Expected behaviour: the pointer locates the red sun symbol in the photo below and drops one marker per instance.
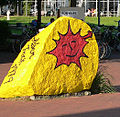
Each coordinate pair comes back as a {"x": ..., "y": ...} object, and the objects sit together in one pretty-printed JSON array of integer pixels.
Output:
[{"x": 69, "y": 48}]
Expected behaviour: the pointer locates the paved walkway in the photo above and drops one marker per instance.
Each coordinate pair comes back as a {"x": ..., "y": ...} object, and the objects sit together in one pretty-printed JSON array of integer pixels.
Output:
[{"x": 101, "y": 105}]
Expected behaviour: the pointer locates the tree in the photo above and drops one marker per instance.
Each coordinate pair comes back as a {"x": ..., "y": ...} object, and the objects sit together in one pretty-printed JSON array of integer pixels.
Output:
[
  {"x": 6, "y": 2},
  {"x": 73, "y": 3},
  {"x": 3, "y": 2},
  {"x": 26, "y": 7}
]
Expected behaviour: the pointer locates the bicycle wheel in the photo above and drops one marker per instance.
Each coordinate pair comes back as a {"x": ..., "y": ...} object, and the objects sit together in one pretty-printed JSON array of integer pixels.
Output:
[
  {"x": 16, "y": 46},
  {"x": 107, "y": 51},
  {"x": 101, "y": 48},
  {"x": 116, "y": 43},
  {"x": 23, "y": 43},
  {"x": 29, "y": 32}
]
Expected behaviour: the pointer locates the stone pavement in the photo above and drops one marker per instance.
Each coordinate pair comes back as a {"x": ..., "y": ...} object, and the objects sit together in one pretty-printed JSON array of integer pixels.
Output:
[{"x": 100, "y": 105}]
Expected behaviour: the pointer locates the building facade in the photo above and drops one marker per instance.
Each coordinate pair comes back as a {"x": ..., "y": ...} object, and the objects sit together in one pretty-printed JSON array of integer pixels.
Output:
[
  {"x": 107, "y": 7},
  {"x": 50, "y": 7}
]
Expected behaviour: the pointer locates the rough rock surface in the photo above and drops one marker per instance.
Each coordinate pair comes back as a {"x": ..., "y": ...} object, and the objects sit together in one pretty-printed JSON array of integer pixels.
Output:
[{"x": 63, "y": 58}]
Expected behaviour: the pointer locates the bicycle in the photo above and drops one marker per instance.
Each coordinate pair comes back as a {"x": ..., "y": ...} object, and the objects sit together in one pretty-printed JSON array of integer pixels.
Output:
[
  {"x": 103, "y": 40},
  {"x": 117, "y": 41},
  {"x": 15, "y": 43},
  {"x": 28, "y": 33},
  {"x": 117, "y": 37},
  {"x": 101, "y": 45},
  {"x": 107, "y": 39}
]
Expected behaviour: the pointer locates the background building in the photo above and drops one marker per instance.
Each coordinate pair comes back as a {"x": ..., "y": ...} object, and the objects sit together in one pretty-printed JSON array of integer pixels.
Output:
[{"x": 50, "y": 7}]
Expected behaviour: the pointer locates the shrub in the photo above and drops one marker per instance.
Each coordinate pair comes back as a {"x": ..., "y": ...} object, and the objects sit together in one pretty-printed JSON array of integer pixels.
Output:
[
  {"x": 101, "y": 84},
  {"x": 4, "y": 32}
]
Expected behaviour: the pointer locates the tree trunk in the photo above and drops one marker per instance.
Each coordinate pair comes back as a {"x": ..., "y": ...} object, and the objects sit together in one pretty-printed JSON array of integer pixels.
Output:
[
  {"x": 72, "y": 3},
  {"x": 39, "y": 14},
  {"x": 0, "y": 10}
]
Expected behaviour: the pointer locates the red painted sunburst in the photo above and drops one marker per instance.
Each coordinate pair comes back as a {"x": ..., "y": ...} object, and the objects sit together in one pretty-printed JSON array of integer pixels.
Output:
[{"x": 69, "y": 48}]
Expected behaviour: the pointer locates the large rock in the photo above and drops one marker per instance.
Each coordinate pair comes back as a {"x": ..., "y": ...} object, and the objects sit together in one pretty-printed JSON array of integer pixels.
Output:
[{"x": 63, "y": 58}]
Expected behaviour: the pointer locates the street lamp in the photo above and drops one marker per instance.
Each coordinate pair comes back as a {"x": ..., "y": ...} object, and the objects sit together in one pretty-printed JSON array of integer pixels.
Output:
[
  {"x": 98, "y": 12},
  {"x": 39, "y": 14}
]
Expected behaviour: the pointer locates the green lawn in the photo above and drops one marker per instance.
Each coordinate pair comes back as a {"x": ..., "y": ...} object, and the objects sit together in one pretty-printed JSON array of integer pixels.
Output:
[
  {"x": 25, "y": 20},
  {"x": 109, "y": 21}
]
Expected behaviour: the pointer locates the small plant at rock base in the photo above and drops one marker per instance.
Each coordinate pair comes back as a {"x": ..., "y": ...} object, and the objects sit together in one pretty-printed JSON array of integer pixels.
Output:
[{"x": 101, "y": 84}]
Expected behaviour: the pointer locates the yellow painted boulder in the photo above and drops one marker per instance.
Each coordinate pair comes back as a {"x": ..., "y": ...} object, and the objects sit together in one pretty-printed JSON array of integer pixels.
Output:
[{"x": 63, "y": 58}]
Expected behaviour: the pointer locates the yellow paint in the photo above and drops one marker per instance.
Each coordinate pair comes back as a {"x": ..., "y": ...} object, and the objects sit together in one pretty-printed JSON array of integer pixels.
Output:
[{"x": 34, "y": 72}]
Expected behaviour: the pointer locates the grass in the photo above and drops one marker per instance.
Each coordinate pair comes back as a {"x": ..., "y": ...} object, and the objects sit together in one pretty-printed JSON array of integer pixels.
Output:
[
  {"x": 101, "y": 84},
  {"x": 109, "y": 21},
  {"x": 25, "y": 19}
]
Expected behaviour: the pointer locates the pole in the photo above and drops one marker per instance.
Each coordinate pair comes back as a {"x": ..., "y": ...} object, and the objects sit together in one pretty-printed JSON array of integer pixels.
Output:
[
  {"x": 72, "y": 3},
  {"x": 96, "y": 8},
  {"x": 114, "y": 8},
  {"x": 85, "y": 6},
  {"x": 98, "y": 12},
  {"x": 39, "y": 14},
  {"x": 35, "y": 10},
  {"x": 17, "y": 8},
  {"x": 118, "y": 9},
  {"x": 26, "y": 6},
  {"x": 45, "y": 10},
  {"x": 21, "y": 8},
  {"x": 0, "y": 10},
  {"x": 107, "y": 8}
]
